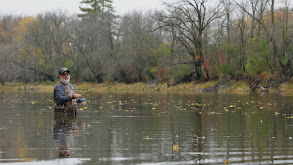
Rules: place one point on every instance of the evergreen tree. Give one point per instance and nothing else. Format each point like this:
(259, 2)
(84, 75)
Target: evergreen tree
(96, 7)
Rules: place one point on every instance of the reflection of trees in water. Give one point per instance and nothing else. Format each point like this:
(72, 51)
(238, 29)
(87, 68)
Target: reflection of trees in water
(65, 126)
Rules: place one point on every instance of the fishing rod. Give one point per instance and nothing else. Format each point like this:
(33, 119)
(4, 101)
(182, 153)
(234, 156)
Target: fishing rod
(105, 85)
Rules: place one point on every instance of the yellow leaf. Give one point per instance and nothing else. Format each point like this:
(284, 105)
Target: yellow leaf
(196, 58)
(175, 147)
(33, 102)
(81, 109)
(226, 162)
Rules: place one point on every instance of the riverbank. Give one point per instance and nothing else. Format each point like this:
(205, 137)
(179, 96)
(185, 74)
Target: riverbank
(211, 86)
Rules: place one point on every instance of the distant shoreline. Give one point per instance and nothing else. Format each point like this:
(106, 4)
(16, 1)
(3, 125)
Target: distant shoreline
(240, 87)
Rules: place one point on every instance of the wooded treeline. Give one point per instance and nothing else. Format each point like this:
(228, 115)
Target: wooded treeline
(190, 40)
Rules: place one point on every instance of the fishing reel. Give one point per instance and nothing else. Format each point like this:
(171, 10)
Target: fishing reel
(80, 100)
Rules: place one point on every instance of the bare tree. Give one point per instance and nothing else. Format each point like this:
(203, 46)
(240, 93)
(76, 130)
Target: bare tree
(138, 39)
(8, 48)
(190, 19)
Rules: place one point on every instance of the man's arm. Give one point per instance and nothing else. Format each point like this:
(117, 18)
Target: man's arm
(59, 92)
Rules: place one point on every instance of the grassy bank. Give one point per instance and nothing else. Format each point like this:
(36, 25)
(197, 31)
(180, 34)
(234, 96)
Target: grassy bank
(230, 87)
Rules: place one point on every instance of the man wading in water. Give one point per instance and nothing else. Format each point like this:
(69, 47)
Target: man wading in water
(65, 96)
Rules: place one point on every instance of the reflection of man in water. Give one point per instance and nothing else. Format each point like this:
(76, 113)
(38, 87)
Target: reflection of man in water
(63, 126)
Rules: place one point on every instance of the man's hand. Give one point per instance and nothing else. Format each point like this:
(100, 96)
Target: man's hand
(83, 103)
(76, 96)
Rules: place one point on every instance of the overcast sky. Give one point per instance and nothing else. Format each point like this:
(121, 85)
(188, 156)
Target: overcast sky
(33, 7)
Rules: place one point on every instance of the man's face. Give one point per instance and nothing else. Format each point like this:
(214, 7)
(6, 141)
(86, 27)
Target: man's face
(65, 77)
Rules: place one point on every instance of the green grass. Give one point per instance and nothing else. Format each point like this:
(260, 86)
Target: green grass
(233, 87)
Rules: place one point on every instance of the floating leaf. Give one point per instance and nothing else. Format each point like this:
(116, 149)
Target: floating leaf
(226, 162)
(33, 102)
(175, 148)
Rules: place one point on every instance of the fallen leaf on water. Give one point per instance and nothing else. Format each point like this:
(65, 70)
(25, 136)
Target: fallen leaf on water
(175, 148)
(276, 113)
(226, 162)
(33, 102)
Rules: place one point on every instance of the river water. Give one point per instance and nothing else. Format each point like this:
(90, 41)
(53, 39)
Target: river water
(147, 128)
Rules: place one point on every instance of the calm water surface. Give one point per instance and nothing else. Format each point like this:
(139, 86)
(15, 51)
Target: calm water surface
(147, 128)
